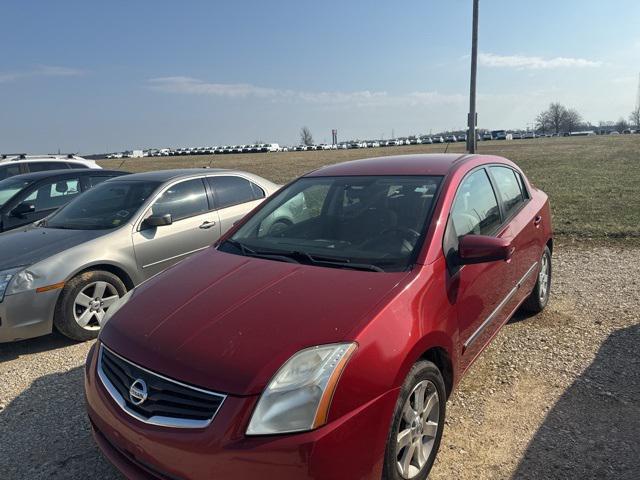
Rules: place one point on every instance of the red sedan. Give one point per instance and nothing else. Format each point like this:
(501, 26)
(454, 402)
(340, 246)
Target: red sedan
(322, 336)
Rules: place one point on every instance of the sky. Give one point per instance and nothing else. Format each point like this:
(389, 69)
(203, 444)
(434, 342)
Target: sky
(92, 77)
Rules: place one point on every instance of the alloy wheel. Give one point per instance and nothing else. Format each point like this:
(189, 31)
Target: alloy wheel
(92, 303)
(544, 277)
(417, 429)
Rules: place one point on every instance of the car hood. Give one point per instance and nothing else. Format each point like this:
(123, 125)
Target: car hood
(31, 245)
(227, 322)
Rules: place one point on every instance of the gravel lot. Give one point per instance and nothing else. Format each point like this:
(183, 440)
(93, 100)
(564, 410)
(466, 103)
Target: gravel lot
(554, 396)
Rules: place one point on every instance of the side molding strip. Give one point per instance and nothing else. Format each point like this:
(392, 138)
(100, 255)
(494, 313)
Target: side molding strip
(500, 306)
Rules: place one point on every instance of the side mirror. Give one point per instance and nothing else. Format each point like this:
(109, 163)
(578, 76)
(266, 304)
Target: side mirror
(481, 249)
(23, 209)
(157, 221)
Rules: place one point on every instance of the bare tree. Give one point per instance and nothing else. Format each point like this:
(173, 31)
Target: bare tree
(634, 118)
(551, 119)
(305, 136)
(572, 121)
(558, 118)
(621, 125)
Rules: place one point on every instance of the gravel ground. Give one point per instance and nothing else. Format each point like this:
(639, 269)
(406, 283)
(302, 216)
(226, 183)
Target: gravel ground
(554, 396)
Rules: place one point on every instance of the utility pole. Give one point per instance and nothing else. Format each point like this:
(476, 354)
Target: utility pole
(638, 98)
(473, 114)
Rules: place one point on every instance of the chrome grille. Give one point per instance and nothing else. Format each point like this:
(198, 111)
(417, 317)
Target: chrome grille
(167, 403)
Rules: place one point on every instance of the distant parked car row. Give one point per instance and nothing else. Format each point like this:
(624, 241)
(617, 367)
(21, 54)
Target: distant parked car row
(352, 144)
(169, 152)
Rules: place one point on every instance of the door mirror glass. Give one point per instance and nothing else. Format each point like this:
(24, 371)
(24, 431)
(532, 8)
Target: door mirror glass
(155, 221)
(23, 209)
(481, 248)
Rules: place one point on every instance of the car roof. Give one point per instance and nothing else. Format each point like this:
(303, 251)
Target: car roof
(423, 164)
(35, 176)
(166, 175)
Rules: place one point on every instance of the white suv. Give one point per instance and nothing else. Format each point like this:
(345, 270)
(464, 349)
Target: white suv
(11, 165)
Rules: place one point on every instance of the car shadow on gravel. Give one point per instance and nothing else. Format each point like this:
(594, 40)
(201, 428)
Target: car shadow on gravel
(593, 431)
(45, 433)
(53, 341)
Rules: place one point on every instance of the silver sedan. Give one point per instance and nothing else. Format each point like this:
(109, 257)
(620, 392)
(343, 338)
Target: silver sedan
(70, 268)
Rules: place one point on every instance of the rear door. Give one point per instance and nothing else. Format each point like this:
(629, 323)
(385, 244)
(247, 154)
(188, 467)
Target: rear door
(234, 197)
(521, 225)
(44, 199)
(195, 226)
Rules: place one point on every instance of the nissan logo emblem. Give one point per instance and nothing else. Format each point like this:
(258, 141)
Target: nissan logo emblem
(138, 392)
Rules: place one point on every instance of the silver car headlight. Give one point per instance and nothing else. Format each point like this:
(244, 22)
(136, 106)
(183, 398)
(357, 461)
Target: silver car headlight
(299, 395)
(18, 275)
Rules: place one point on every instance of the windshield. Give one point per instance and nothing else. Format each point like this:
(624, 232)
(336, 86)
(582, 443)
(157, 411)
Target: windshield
(9, 187)
(372, 223)
(108, 205)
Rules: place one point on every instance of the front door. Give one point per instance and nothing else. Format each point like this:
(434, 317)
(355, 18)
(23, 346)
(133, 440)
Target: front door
(481, 288)
(194, 227)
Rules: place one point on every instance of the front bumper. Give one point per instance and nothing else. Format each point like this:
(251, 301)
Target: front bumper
(27, 315)
(350, 447)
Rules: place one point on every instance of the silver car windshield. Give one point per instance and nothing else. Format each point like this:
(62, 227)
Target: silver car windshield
(372, 223)
(108, 205)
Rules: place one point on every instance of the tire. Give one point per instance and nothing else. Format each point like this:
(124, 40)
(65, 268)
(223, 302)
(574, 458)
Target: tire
(423, 377)
(539, 297)
(85, 298)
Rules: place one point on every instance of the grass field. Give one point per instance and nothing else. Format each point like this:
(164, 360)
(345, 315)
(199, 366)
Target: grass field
(593, 182)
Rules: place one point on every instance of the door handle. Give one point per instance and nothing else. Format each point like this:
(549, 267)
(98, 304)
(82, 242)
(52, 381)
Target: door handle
(207, 225)
(537, 220)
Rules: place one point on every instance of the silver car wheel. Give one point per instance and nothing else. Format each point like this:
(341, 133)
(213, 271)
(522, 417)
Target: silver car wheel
(92, 303)
(544, 277)
(417, 429)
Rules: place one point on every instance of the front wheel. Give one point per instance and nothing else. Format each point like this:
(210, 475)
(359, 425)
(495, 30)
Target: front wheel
(84, 302)
(539, 297)
(417, 424)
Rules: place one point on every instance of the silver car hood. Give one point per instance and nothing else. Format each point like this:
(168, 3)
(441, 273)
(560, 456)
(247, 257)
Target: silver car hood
(32, 244)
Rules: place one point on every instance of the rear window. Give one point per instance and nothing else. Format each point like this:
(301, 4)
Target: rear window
(76, 165)
(7, 171)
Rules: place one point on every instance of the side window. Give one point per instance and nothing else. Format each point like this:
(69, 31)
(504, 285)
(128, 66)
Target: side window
(9, 171)
(54, 195)
(182, 200)
(43, 166)
(475, 209)
(229, 190)
(523, 188)
(509, 188)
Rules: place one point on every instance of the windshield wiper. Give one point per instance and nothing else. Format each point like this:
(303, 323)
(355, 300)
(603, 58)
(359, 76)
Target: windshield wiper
(240, 246)
(249, 252)
(346, 264)
(295, 256)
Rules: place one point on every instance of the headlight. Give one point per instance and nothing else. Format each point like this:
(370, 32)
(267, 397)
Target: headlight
(5, 279)
(299, 395)
(111, 311)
